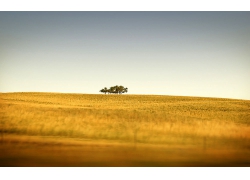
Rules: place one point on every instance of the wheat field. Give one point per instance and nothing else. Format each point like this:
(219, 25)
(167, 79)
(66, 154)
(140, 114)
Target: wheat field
(56, 129)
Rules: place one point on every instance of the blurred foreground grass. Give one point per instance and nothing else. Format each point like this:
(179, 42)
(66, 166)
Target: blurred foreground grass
(52, 129)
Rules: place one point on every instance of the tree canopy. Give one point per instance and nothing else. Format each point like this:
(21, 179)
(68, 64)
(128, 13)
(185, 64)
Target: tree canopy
(114, 89)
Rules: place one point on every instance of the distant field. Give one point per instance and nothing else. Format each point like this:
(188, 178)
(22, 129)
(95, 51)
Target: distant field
(53, 129)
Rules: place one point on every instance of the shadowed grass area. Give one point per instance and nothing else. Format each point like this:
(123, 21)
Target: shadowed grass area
(53, 129)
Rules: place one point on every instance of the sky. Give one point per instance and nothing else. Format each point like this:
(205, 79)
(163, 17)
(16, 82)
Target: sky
(204, 54)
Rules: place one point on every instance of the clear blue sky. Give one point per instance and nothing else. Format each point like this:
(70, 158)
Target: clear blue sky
(169, 53)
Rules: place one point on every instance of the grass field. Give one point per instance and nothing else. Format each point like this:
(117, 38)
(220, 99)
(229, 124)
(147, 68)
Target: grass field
(53, 129)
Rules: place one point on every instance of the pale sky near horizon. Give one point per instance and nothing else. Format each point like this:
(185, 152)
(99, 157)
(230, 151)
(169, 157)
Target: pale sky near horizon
(169, 53)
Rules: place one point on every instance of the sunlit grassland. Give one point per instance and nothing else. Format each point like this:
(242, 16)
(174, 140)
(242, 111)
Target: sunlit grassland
(53, 129)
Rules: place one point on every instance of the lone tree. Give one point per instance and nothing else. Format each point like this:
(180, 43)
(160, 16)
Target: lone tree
(115, 89)
(104, 90)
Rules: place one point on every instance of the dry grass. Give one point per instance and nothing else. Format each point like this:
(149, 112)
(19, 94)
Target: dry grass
(123, 130)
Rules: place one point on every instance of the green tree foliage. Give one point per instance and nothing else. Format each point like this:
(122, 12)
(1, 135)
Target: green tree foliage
(104, 90)
(115, 90)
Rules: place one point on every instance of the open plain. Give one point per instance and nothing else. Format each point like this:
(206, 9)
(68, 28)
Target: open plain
(55, 129)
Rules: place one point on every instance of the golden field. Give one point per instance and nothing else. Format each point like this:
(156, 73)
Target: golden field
(54, 129)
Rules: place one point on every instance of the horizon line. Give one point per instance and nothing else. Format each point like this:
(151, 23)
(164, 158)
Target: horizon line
(125, 94)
